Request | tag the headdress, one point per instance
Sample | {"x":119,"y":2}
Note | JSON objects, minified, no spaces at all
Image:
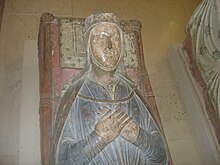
{"x":97,"y":18}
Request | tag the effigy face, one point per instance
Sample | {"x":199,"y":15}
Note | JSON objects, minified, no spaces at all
{"x":105,"y":43}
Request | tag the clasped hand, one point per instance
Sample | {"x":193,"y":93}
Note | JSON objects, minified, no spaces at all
{"x":111,"y":125}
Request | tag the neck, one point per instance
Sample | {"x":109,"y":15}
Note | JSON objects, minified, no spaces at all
{"x":101,"y":76}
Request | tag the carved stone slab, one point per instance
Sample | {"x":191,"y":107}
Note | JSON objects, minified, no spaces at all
{"x":55,"y":47}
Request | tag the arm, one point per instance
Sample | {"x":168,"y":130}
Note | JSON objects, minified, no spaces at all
{"x":151,"y":144}
{"x":83,"y":151}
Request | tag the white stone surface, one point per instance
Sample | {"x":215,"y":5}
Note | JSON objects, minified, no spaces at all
{"x":29,"y":121}
{"x":192,"y":97}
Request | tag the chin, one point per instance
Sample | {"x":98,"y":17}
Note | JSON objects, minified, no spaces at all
{"x":110,"y":69}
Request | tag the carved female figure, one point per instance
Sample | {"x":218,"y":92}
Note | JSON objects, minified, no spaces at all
{"x":102,"y":119}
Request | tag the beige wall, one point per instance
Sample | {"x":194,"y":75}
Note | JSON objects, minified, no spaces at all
{"x":163,"y":23}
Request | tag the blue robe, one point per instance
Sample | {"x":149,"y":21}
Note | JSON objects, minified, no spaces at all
{"x":79,"y":143}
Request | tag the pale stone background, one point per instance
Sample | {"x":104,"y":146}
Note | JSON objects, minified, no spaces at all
{"x":163,"y":23}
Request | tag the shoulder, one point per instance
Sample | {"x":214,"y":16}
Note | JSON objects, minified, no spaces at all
{"x":127,"y":82}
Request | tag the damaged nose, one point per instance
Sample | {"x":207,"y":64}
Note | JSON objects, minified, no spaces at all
{"x":109,"y":42}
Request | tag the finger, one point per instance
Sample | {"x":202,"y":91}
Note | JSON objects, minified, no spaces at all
{"x":122,"y":121}
{"x":125,"y":122}
{"x":103,"y":111}
{"x":116,"y":114}
{"x":113,"y":115}
{"x":123,"y":117}
{"x":119,"y":120}
{"x":106,"y":115}
{"x":120,"y":115}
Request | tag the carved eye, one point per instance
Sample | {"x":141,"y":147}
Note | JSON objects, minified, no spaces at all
{"x":103,"y":35}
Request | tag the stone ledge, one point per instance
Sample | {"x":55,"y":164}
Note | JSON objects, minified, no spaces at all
{"x":192,"y":98}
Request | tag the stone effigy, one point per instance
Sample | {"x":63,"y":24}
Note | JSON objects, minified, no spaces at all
{"x":196,"y":65}
{"x":97,"y":115}
{"x":201,"y":49}
{"x":203,"y":36}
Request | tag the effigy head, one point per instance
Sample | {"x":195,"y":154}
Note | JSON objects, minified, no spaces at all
{"x":104,"y":40}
